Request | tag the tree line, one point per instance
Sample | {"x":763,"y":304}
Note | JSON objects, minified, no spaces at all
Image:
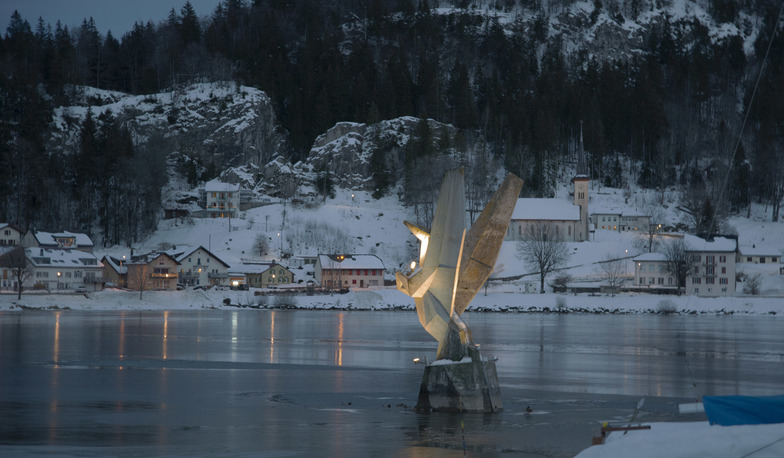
{"x":669,"y":113}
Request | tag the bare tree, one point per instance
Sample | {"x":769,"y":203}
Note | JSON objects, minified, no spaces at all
{"x":542,"y":248}
{"x":261,"y":245}
{"x":752,"y":284}
{"x":16,"y":261}
{"x":139,"y":277}
{"x":613,"y":271}
{"x":655,"y":215}
{"x":678,"y":261}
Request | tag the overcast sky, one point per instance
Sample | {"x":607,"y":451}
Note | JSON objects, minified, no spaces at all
{"x":115,"y":15}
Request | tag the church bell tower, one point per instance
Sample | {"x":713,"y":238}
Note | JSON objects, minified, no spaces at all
{"x":581,"y":182}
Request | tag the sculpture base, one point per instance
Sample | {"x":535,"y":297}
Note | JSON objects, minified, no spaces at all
{"x":470,"y":385}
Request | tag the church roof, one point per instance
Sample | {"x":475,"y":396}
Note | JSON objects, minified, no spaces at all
{"x":545,"y":209}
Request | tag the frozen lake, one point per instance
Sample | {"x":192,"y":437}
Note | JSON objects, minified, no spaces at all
{"x":328,"y":383}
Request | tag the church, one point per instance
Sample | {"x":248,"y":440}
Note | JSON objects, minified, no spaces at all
{"x":570,"y":219}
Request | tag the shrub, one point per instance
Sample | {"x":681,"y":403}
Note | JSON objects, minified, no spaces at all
{"x":560,"y":303}
{"x":262,"y":301}
{"x":752,"y":284}
{"x":227,"y":301}
{"x":285,"y":302}
{"x":667,"y":306}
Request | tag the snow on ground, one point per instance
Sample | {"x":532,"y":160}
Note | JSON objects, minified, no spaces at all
{"x":698,"y":439}
{"x":389,"y":298}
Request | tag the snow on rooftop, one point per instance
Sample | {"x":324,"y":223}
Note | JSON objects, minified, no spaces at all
{"x":219,"y":186}
{"x":650,"y":257}
{"x":760,"y":251}
{"x":352,"y":261}
{"x":695,"y":243}
{"x":545,"y":209}
{"x":50,"y":238}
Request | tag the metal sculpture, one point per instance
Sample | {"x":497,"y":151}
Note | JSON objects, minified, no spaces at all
{"x":453,"y":265}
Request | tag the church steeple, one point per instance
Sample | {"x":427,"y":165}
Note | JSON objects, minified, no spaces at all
{"x":582,"y":168}
{"x":580,"y":182}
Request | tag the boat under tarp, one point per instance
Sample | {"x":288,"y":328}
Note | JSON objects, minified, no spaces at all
{"x":744,"y":410}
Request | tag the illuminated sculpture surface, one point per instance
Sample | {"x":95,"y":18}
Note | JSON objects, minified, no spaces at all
{"x":455,"y":263}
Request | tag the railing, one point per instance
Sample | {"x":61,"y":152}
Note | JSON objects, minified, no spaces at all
{"x":217,"y":275}
{"x":162,"y":275}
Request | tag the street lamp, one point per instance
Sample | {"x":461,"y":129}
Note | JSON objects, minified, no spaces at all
{"x":58,"y":281}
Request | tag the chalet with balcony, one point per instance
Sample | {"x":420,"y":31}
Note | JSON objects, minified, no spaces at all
{"x":198,"y":266}
{"x":221,"y":200}
{"x":152,"y":271}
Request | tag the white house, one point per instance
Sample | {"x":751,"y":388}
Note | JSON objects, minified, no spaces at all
{"x":9,"y":235}
{"x":650,"y":272}
{"x":349,"y":271}
{"x":198,"y":266}
{"x":713,"y":261}
{"x":222,"y":200}
{"x":63,"y":269}
{"x":58,"y":240}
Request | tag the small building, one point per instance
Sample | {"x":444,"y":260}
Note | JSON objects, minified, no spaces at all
{"x":650,"y":272}
{"x":115,"y":271}
{"x":757,"y":255}
{"x":620,"y":219}
{"x":268,"y":274}
{"x":152,"y":271}
{"x":221,"y":200}
{"x":198,"y":266}
{"x":349,"y":271}
{"x":9,"y":235}
{"x":58,"y":241}
{"x":63,"y":270}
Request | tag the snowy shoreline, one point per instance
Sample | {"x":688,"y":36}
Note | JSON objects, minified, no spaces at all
{"x":389,"y":299}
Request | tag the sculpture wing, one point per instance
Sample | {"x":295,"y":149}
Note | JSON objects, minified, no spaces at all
{"x":483,"y":242}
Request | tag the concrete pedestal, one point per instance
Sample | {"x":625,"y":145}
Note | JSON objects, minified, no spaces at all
{"x":469,"y":385}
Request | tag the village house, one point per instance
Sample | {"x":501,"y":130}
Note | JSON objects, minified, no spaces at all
{"x":569,"y":219}
{"x":650,"y":272}
{"x":266,"y":275}
{"x":198,"y":266}
{"x":620,"y":219}
{"x":115,"y":271}
{"x":58,"y":240}
{"x":712,"y":268}
{"x":152,"y":271}
{"x":349,"y":271}
{"x":63,"y":270}
{"x":221,"y":200}
{"x":757,"y":255}
{"x":9,"y":235}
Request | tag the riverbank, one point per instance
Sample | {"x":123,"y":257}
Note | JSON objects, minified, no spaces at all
{"x":391,"y":299}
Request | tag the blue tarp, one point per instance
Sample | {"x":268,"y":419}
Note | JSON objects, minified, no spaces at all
{"x":744,"y":410}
